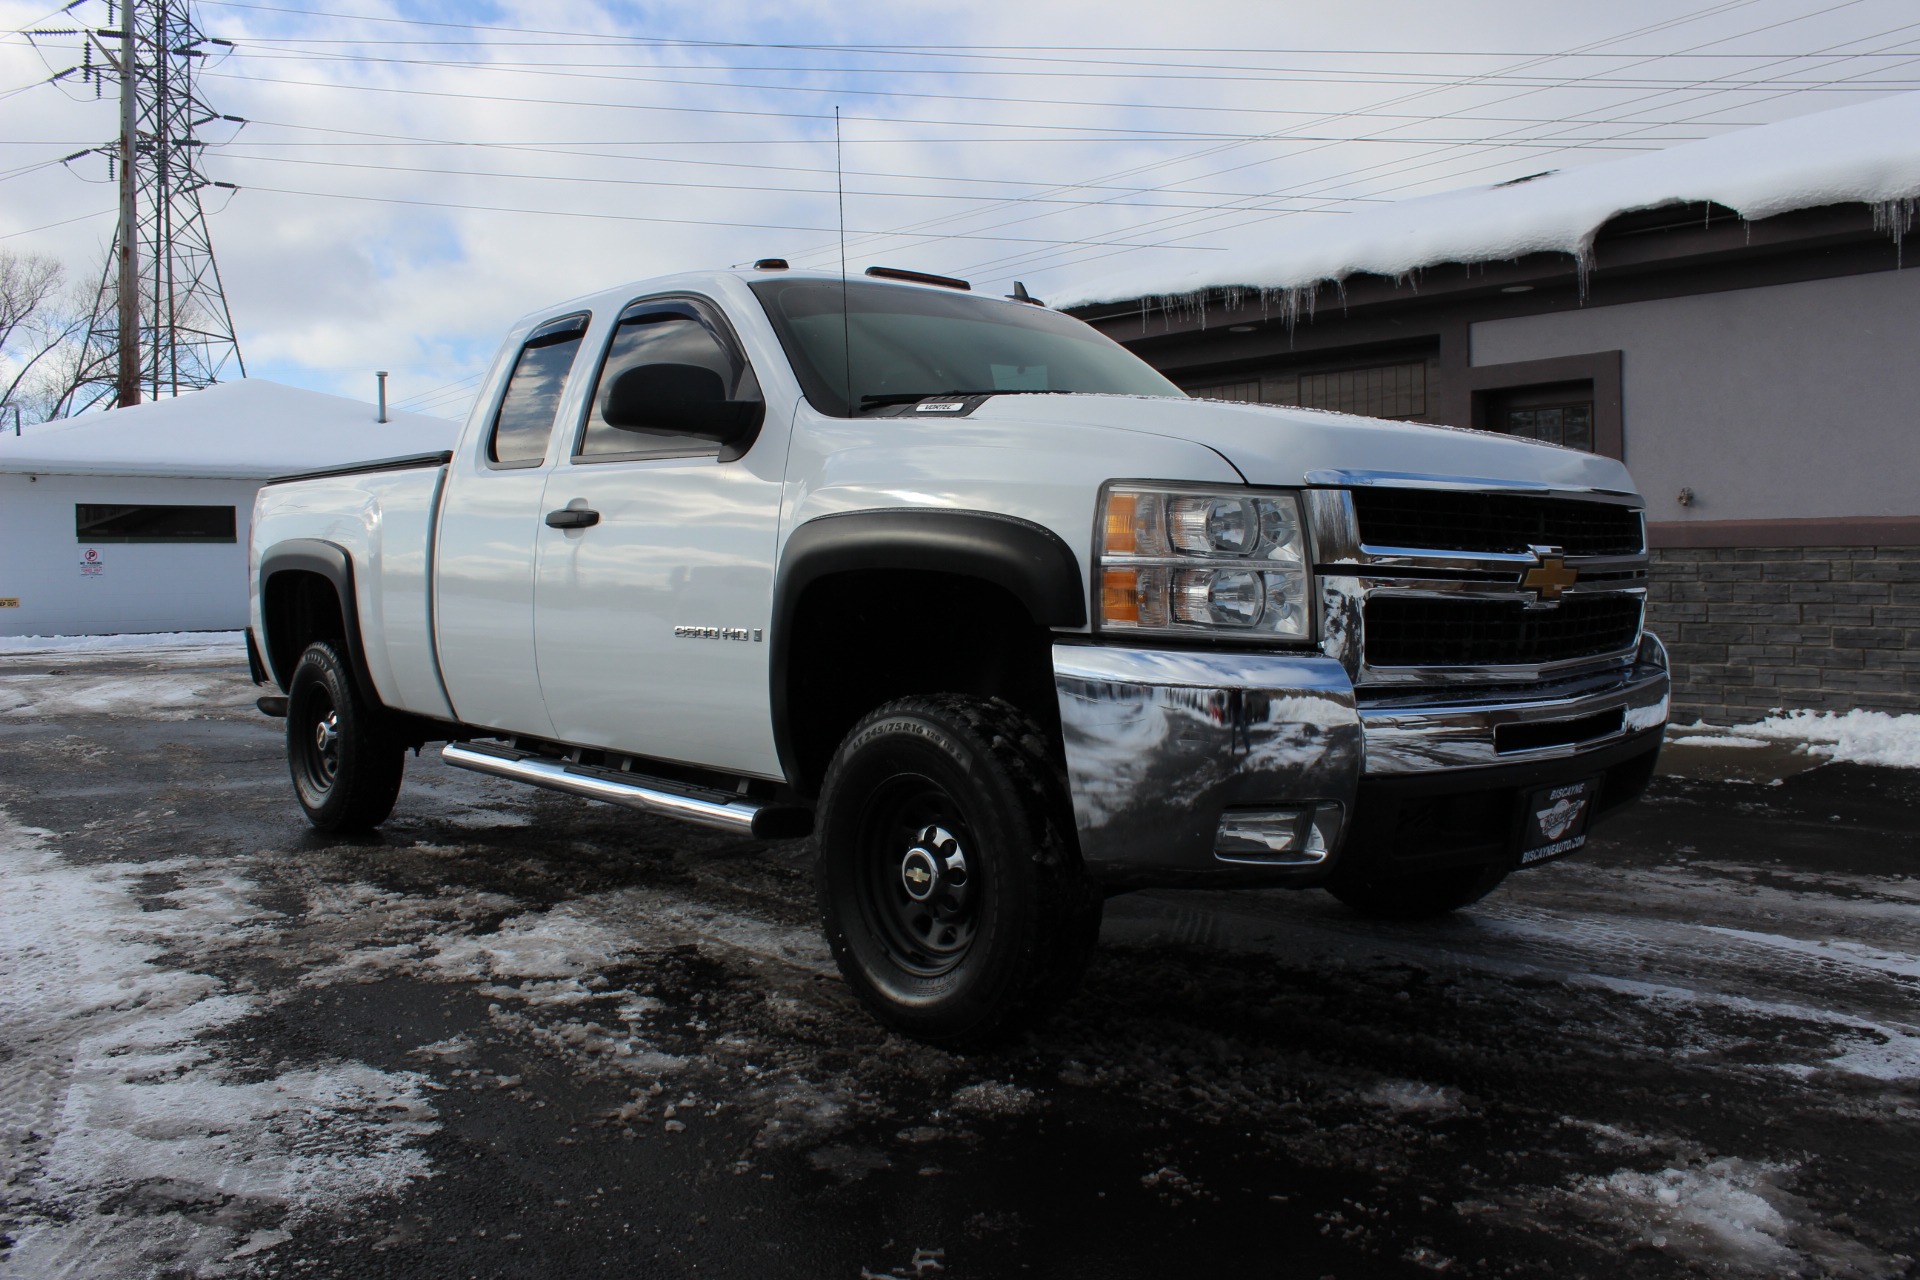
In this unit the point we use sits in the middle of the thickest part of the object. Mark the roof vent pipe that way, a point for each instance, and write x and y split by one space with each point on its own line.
381 374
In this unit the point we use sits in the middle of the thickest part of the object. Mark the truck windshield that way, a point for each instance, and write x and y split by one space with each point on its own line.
909 343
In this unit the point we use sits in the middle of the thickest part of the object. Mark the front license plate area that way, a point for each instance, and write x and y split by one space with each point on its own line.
1554 820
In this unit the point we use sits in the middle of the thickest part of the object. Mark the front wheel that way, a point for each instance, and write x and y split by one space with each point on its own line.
949 886
345 761
1420 896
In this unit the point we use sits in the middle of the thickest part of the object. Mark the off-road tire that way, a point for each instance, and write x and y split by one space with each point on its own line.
977 959
345 760
1420 896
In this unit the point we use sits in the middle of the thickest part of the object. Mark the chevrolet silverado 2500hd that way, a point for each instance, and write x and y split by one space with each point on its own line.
978 598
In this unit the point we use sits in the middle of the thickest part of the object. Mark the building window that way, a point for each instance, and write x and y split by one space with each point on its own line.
101 522
1396 389
1560 414
1242 392
1376 391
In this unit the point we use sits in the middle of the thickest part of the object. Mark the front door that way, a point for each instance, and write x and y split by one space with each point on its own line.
653 609
484 557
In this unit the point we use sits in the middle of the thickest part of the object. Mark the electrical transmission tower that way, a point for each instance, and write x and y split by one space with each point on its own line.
160 323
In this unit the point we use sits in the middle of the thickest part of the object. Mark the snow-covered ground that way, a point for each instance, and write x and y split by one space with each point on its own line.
115 1093
173 676
155 646
1696 1048
1856 737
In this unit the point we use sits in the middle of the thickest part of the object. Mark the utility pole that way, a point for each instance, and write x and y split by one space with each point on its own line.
167 328
127 378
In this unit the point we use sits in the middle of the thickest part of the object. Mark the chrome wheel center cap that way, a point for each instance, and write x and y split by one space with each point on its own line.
919 874
327 732
935 862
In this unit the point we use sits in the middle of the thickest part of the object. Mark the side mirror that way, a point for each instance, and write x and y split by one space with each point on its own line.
682 400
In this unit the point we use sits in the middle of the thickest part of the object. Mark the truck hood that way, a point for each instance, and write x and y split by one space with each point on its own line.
1271 445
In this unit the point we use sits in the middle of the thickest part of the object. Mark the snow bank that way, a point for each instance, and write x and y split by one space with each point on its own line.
1867 152
225 643
145 1152
1855 737
1722 1211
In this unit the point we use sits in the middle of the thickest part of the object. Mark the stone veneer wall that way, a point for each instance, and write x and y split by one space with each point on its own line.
1750 629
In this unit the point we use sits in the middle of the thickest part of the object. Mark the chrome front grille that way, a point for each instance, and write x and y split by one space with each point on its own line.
1432 582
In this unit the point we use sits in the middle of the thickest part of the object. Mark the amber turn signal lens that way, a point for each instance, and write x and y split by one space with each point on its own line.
1119 594
1122 535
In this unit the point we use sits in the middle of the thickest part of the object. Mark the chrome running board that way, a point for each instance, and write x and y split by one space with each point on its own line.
648 795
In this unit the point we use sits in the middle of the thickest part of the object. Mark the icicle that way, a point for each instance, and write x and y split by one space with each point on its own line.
1895 217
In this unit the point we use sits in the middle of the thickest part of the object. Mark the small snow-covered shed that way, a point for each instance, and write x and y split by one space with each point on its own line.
1734 318
136 519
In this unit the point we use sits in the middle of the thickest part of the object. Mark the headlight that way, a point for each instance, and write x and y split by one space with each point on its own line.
1224 563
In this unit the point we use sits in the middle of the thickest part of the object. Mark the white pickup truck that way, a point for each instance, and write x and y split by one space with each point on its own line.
969 592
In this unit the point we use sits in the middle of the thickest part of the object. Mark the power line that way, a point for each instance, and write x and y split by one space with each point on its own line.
575 70
48 226
1026 260
569 150
434 393
1083 133
1389 166
1415 96
652 182
1017 53
46 17
634 217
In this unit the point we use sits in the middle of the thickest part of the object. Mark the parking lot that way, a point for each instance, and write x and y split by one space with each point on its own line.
516 1034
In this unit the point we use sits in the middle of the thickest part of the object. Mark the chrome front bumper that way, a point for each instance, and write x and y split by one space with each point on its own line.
1163 745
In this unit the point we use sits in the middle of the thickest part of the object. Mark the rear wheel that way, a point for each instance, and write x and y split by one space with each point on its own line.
949 887
346 762
1420 896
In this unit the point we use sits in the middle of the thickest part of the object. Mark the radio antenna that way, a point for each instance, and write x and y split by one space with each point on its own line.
846 325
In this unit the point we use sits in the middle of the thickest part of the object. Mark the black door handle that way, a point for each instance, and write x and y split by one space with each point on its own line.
572 518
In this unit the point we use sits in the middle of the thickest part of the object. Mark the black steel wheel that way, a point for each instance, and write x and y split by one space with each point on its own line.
950 887
346 763
1420 896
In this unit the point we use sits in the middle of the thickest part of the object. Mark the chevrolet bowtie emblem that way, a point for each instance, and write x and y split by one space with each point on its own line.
1551 576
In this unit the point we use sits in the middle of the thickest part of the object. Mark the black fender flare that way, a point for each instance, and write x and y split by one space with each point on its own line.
1029 561
331 561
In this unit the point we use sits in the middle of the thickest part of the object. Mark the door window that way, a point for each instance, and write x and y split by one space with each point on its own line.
525 419
678 333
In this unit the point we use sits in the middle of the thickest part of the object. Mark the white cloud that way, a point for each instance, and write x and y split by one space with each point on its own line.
324 288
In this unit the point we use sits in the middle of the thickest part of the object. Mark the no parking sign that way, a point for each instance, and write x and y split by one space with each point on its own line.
91 564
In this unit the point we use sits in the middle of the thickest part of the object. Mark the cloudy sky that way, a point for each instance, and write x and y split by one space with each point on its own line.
413 176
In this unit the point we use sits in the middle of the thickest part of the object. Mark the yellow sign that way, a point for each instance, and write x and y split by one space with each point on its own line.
9 602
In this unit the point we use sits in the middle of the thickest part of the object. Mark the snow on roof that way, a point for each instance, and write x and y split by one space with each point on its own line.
1867 152
250 429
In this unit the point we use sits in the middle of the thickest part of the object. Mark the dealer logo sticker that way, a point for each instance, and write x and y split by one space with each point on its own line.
9 602
1558 818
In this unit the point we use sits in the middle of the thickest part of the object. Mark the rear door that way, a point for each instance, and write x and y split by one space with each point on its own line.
485 555
651 621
